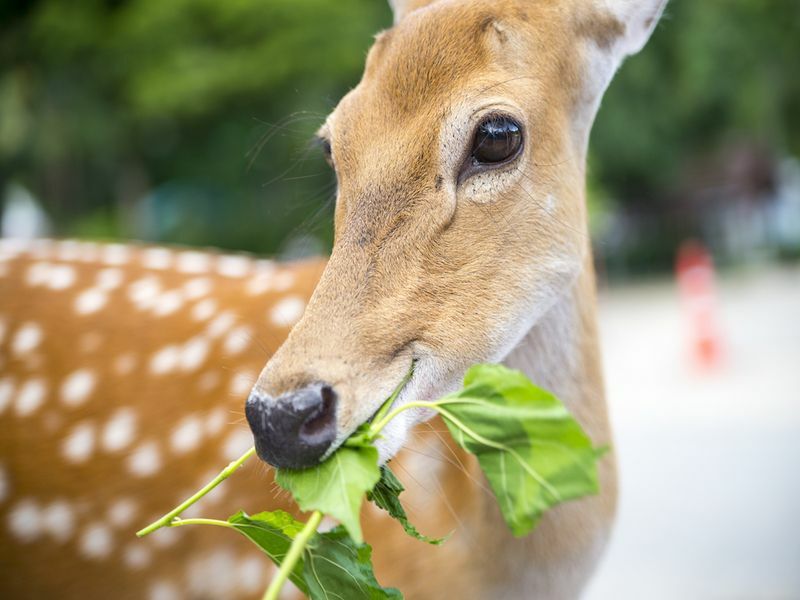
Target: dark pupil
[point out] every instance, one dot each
(496, 140)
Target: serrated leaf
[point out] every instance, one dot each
(336, 567)
(337, 486)
(386, 495)
(273, 532)
(533, 452)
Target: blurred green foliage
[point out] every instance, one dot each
(205, 109)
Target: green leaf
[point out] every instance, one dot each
(533, 452)
(337, 486)
(386, 494)
(273, 532)
(335, 567)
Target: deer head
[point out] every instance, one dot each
(460, 214)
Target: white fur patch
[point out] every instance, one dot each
(120, 430)
(237, 443)
(27, 338)
(30, 396)
(157, 258)
(144, 291)
(187, 435)
(77, 387)
(164, 590)
(109, 279)
(90, 301)
(237, 340)
(165, 360)
(136, 556)
(288, 311)
(58, 520)
(24, 520)
(96, 541)
(145, 461)
(234, 266)
(197, 288)
(78, 446)
(116, 254)
(194, 353)
(220, 325)
(168, 303)
(122, 512)
(204, 309)
(193, 262)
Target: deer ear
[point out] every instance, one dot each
(401, 8)
(637, 18)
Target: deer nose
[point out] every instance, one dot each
(294, 430)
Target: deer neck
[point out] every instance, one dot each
(560, 353)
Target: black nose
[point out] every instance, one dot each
(295, 430)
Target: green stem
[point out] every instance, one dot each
(178, 522)
(377, 426)
(223, 475)
(294, 554)
(390, 400)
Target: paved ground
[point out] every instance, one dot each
(710, 462)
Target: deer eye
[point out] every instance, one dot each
(497, 139)
(327, 151)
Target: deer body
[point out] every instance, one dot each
(123, 369)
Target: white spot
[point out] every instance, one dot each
(251, 573)
(122, 512)
(109, 279)
(193, 262)
(28, 337)
(61, 277)
(197, 288)
(222, 323)
(187, 435)
(167, 303)
(165, 360)
(237, 443)
(164, 590)
(90, 301)
(208, 381)
(37, 273)
(68, 250)
(136, 556)
(124, 363)
(204, 309)
(213, 574)
(288, 311)
(4, 485)
(58, 520)
(87, 252)
(116, 254)
(96, 541)
(144, 291)
(6, 391)
(157, 258)
(283, 281)
(259, 284)
(234, 266)
(194, 353)
(24, 520)
(242, 382)
(119, 431)
(165, 537)
(238, 339)
(145, 460)
(30, 396)
(215, 421)
(77, 387)
(79, 444)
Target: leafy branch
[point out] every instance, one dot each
(531, 450)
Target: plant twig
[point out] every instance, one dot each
(294, 554)
(166, 520)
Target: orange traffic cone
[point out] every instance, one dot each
(696, 282)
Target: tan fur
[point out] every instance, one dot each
(425, 266)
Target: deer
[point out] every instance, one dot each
(130, 373)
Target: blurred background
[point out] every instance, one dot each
(189, 121)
